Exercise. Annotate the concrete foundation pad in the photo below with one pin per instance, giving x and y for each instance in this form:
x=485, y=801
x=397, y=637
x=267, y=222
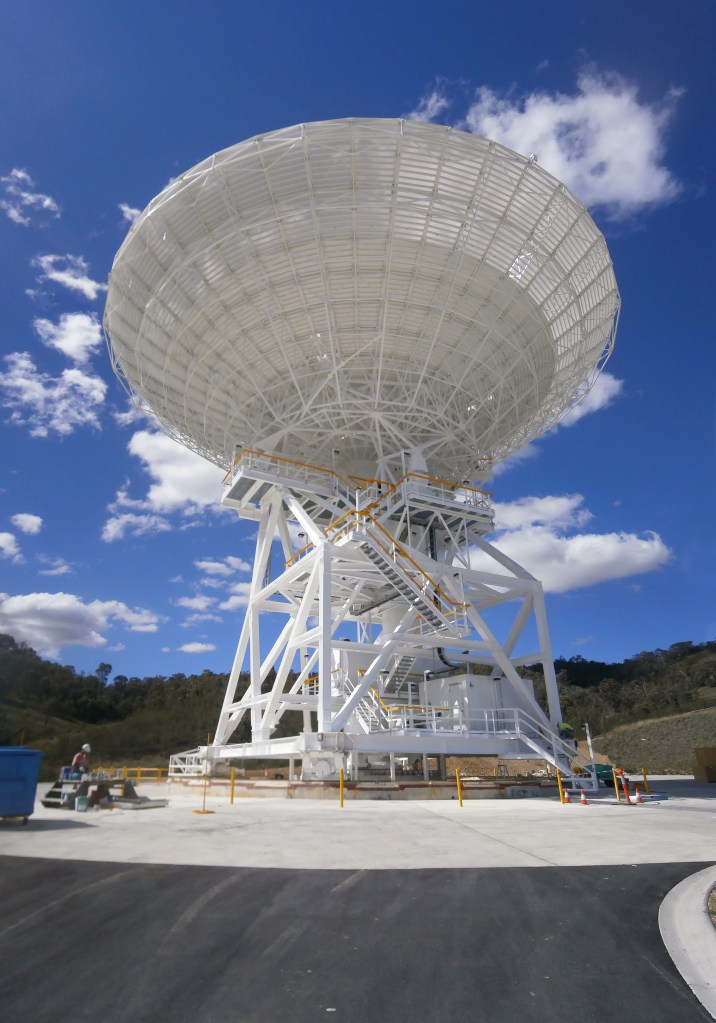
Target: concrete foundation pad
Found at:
x=377, y=834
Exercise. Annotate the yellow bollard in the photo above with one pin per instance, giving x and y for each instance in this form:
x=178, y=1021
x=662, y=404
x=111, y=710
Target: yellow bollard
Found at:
x=139, y=776
x=233, y=779
x=616, y=784
x=560, y=786
x=646, y=781
x=340, y=786
x=124, y=774
x=459, y=785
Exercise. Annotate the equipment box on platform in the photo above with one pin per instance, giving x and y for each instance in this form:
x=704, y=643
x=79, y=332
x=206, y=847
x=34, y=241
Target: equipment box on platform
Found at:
x=19, y=770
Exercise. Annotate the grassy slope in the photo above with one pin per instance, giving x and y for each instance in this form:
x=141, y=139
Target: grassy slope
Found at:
x=661, y=746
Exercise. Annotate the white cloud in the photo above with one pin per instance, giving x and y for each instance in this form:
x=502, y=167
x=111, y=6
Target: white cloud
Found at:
x=430, y=106
x=9, y=548
x=50, y=404
x=198, y=603
x=525, y=454
x=239, y=598
x=555, y=512
x=21, y=200
x=137, y=412
x=196, y=618
x=76, y=335
x=55, y=566
x=541, y=535
x=31, y=524
x=129, y=213
x=133, y=524
x=49, y=622
x=184, y=482
x=227, y=566
x=182, y=478
x=601, y=394
x=69, y=271
x=197, y=648
x=605, y=144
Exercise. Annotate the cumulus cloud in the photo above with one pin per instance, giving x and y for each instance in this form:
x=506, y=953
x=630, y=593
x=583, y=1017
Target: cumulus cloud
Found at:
x=76, y=335
x=602, y=141
x=129, y=213
x=49, y=622
x=71, y=272
x=31, y=524
x=197, y=648
x=9, y=548
x=198, y=603
x=196, y=618
x=21, y=202
x=50, y=404
x=123, y=524
x=541, y=534
x=239, y=598
x=556, y=512
x=227, y=566
x=605, y=389
x=182, y=479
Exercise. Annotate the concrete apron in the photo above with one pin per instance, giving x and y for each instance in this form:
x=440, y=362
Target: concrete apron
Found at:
x=503, y=788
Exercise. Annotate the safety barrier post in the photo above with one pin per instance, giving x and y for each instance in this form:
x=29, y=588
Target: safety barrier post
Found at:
x=616, y=784
x=124, y=774
x=139, y=776
x=340, y=786
x=624, y=785
x=646, y=781
x=233, y=779
x=459, y=785
x=560, y=786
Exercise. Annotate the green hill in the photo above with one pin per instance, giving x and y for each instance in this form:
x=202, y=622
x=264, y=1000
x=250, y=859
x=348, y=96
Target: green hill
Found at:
x=661, y=745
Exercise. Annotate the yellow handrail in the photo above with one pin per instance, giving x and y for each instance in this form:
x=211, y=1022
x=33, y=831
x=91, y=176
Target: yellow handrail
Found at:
x=404, y=553
x=289, y=461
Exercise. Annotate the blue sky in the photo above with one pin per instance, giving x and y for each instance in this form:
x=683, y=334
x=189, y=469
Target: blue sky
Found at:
x=112, y=545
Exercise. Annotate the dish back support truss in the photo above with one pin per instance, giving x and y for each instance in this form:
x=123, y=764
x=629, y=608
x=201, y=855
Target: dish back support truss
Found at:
x=371, y=610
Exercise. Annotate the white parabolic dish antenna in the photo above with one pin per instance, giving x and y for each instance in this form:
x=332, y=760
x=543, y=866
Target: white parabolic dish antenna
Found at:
x=362, y=286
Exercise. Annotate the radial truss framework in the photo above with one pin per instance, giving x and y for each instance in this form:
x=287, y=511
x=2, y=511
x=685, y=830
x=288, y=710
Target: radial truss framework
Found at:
x=363, y=285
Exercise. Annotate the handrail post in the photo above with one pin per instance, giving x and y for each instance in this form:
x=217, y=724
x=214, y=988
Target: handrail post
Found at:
x=340, y=786
x=560, y=786
x=233, y=780
x=459, y=784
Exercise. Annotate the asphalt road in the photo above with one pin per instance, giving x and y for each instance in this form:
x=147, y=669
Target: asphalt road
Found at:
x=111, y=942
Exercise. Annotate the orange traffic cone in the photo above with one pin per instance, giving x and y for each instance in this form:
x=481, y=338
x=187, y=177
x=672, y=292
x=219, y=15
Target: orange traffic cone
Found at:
x=638, y=796
x=583, y=799
x=566, y=796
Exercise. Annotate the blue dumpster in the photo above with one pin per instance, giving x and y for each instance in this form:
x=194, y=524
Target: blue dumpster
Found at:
x=19, y=769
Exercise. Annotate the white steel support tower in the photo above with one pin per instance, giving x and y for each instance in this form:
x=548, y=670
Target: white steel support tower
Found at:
x=379, y=625
x=370, y=312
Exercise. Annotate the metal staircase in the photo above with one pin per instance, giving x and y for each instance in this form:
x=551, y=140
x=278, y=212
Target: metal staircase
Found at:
x=401, y=669
x=402, y=582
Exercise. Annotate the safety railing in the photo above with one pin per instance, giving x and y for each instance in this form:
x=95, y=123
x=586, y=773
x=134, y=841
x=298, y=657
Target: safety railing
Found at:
x=402, y=716
x=433, y=594
x=190, y=764
x=288, y=468
x=138, y=774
